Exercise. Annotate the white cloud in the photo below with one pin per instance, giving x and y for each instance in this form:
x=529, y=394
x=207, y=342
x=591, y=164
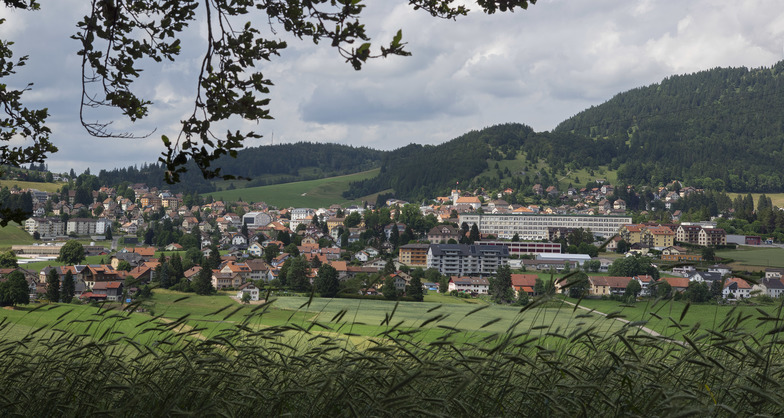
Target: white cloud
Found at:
x=537, y=66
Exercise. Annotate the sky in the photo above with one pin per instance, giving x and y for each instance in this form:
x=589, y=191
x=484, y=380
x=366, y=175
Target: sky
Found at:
x=537, y=67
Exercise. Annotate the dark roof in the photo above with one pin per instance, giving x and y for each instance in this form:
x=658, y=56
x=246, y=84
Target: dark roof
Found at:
x=469, y=250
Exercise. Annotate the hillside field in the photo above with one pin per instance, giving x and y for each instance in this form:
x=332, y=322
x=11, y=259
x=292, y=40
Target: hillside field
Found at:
x=13, y=234
x=311, y=193
x=44, y=187
x=776, y=198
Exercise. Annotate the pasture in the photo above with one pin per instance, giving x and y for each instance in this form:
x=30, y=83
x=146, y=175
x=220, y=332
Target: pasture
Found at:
x=754, y=258
x=311, y=193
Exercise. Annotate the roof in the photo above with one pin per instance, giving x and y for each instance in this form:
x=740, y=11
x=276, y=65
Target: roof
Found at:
x=611, y=281
x=519, y=280
x=677, y=282
x=469, y=281
x=737, y=283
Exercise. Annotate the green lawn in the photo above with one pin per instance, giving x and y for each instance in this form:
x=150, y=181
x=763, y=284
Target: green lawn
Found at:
x=13, y=234
x=312, y=193
x=749, y=257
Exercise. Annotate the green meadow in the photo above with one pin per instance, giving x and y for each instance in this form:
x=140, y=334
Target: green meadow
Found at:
x=44, y=187
x=13, y=234
x=311, y=193
x=754, y=258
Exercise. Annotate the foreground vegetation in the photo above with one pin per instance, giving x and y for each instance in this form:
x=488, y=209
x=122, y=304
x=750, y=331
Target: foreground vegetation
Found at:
x=255, y=360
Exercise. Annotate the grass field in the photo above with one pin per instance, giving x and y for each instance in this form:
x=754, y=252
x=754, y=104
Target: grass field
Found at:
x=210, y=355
x=44, y=187
x=312, y=193
x=662, y=316
x=13, y=234
x=754, y=258
x=38, y=265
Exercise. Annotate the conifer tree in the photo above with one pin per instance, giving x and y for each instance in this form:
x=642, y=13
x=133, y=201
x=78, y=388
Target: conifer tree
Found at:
x=52, y=285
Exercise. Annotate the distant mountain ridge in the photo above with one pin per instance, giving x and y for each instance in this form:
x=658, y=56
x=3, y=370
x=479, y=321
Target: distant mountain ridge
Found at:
x=720, y=129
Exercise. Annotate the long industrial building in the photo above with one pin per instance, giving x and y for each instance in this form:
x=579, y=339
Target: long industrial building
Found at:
x=534, y=226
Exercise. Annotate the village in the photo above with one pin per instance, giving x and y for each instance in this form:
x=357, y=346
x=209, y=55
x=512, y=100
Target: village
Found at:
x=461, y=240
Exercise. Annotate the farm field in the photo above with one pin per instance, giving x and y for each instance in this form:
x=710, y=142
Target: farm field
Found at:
x=312, y=193
x=754, y=258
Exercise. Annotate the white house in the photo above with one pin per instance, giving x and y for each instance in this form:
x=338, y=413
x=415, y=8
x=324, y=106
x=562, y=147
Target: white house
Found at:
x=248, y=288
x=469, y=285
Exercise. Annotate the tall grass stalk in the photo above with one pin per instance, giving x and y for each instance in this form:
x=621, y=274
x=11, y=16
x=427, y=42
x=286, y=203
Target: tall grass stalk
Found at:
x=117, y=362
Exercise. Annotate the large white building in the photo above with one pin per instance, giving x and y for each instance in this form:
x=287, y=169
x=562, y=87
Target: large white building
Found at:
x=534, y=227
x=466, y=260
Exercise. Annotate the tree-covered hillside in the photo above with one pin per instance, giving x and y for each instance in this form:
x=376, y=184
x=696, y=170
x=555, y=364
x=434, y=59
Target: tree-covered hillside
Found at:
x=263, y=165
x=722, y=128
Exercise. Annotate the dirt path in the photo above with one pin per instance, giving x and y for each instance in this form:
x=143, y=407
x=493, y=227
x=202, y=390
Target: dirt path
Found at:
x=626, y=321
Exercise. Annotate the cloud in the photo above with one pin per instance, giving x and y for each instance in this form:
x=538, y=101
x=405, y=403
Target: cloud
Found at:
x=537, y=66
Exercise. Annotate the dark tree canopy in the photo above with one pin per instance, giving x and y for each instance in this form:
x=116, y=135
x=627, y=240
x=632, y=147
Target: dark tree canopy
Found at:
x=71, y=253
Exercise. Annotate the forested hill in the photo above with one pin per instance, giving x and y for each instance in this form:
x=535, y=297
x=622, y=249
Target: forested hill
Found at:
x=722, y=129
x=416, y=171
x=268, y=164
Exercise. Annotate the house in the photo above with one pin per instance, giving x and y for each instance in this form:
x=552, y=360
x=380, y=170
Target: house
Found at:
x=441, y=234
x=608, y=285
x=472, y=285
x=256, y=249
x=646, y=282
x=705, y=277
x=722, y=269
x=173, y=247
x=773, y=287
x=401, y=281
x=362, y=256
x=111, y=290
x=678, y=284
x=524, y=282
x=675, y=253
x=250, y=289
x=735, y=288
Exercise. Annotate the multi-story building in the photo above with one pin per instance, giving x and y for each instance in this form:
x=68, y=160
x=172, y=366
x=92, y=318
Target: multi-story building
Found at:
x=467, y=260
x=532, y=227
x=46, y=227
x=712, y=236
x=414, y=255
x=688, y=233
x=658, y=236
x=520, y=248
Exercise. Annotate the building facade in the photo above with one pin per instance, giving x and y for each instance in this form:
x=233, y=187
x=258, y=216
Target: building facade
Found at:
x=467, y=260
x=531, y=227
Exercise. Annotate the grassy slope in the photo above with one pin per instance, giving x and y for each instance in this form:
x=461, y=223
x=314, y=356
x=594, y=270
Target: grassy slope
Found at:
x=44, y=187
x=13, y=234
x=312, y=193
